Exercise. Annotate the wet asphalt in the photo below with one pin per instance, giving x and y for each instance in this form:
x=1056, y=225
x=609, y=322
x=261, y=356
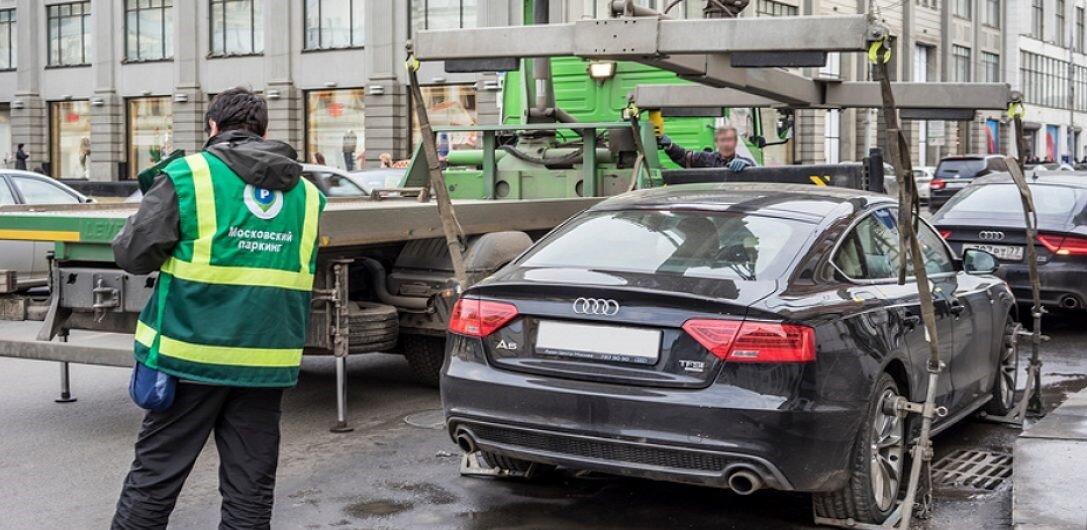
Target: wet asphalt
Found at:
x=61, y=466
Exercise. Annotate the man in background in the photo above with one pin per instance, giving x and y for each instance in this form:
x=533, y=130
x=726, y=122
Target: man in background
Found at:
x=725, y=138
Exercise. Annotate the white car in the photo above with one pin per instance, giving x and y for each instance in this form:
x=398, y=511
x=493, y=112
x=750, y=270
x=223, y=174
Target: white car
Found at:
x=923, y=177
x=28, y=258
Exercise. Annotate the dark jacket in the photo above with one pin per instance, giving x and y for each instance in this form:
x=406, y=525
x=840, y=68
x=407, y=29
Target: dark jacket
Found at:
x=149, y=236
x=20, y=159
x=693, y=159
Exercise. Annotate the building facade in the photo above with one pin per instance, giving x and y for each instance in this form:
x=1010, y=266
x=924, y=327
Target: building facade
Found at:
x=102, y=88
x=1050, y=68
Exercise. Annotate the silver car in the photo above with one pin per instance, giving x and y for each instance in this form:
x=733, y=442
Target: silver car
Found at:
x=27, y=258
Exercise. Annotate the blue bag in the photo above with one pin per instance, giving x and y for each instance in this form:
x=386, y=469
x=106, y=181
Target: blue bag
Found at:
x=151, y=389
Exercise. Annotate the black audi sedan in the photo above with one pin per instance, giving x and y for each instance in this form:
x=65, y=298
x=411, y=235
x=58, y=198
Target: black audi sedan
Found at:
x=988, y=215
x=742, y=336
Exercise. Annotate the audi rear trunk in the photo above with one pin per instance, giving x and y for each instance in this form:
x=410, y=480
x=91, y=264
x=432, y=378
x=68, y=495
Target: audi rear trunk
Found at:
x=654, y=376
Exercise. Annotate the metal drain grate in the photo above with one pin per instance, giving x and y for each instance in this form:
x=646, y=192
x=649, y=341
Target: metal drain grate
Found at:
x=978, y=470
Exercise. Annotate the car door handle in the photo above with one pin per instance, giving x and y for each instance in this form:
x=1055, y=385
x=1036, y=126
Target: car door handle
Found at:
x=957, y=308
x=911, y=321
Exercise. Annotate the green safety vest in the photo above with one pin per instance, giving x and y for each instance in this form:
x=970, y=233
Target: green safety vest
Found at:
x=232, y=303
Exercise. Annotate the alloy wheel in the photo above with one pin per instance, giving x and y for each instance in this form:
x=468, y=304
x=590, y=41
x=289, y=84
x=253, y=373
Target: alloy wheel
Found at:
x=1009, y=365
x=888, y=448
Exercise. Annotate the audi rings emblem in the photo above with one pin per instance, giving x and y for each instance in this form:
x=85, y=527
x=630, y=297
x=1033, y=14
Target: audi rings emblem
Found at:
x=596, y=306
x=991, y=235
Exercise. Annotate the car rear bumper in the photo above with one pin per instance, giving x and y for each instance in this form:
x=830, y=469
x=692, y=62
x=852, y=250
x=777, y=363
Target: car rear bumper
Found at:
x=680, y=435
x=1061, y=286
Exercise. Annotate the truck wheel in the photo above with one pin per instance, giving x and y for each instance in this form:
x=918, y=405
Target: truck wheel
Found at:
x=876, y=465
x=1007, y=372
x=425, y=355
x=372, y=327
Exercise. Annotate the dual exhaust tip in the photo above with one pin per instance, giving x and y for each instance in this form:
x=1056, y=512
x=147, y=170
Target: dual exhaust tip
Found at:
x=742, y=480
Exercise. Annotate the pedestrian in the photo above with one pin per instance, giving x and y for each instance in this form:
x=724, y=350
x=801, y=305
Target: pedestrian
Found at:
x=21, y=157
x=725, y=138
x=385, y=160
x=319, y=158
x=350, y=142
x=232, y=231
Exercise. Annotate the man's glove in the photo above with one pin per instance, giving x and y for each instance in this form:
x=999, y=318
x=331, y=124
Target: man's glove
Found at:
x=737, y=165
x=664, y=141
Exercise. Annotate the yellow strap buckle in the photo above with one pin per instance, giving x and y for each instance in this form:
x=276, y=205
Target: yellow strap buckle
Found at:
x=874, y=55
x=1015, y=110
x=412, y=64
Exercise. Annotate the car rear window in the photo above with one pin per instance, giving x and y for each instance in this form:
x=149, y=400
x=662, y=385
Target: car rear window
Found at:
x=695, y=244
x=996, y=199
x=960, y=168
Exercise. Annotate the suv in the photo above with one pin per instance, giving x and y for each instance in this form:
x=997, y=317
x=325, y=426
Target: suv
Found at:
x=955, y=172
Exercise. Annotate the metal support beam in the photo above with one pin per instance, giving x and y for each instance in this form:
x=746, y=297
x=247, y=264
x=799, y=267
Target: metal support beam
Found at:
x=645, y=37
x=966, y=96
x=688, y=96
x=838, y=95
x=66, y=352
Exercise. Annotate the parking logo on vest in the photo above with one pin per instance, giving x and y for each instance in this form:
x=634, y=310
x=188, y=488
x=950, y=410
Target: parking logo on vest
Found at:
x=265, y=204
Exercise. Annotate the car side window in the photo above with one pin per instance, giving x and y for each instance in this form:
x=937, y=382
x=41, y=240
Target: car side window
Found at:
x=6, y=197
x=39, y=191
x=870, y=250
x=936, y=257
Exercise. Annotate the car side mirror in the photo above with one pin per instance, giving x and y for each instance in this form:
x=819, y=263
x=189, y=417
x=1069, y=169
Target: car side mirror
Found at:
x=976, y=261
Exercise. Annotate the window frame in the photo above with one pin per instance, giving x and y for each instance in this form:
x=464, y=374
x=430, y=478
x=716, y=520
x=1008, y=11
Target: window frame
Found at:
x=12, y=23
x=84, y=17
x=963, y=9
x=1037, y=19
x=212, y=54
x=773, y=8
x=426, y=16
x=1061, y=18
x=967, y=58
x=991, y=14
x=351, y=27
x=167, y=47
x=891, y=208
x=987, y=61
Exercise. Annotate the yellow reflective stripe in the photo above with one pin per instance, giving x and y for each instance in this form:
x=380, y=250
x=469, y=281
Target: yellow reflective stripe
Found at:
x=309, y=225
x=145, y=334
x=205, y=207
x=223, y=355
x=250, y=276
x=204, y=354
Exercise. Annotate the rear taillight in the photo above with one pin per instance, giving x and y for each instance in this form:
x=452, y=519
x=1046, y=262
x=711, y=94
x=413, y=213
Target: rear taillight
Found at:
x=945, y=234
x=1064, y=246
x=480, y=318
x=937, y=184
x=754, y=342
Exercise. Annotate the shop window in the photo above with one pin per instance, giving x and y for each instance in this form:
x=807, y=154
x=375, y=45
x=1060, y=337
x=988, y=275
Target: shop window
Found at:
x=237, y=27
x=443, y=14
x=450, y=105
x=332, y=24
x=335, y=128
x=8, y=41
x=149, y=30
x=70, y=33
x=70, y=138
x=150, y=132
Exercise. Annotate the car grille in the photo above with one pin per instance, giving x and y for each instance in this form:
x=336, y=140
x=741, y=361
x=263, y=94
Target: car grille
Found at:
x=601, y=450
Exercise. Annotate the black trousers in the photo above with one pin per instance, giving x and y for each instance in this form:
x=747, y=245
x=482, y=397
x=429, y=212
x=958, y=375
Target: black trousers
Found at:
x=246, y=426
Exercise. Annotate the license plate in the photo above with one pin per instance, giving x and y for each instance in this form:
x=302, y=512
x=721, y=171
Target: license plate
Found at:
x=954, y=185
x=598, y=343
x=1003, y=252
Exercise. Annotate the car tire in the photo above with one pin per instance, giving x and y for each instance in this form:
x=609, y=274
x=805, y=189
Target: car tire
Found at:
x=1007, y=372
x=425, y=355
x=372, y=327
x=877, y=464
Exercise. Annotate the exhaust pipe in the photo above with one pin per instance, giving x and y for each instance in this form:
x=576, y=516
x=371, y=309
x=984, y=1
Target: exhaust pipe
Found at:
x=1069, y=302
x=744, y=481
x=465, y=442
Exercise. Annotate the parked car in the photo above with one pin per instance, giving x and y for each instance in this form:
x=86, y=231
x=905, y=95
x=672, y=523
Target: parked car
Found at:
x=988, y=215
x=743, y=336
x=923, y=176
x=955, y=172
x=28, y=258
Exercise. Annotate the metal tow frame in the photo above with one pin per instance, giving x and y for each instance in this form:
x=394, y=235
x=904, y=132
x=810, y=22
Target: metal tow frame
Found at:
x=335, y=297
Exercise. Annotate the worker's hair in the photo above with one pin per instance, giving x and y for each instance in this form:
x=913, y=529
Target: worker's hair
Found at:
x=238, y=109
x=726, y=129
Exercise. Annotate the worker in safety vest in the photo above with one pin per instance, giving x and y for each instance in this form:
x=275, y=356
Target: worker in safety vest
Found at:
x=232, y=231
x=725, y=139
